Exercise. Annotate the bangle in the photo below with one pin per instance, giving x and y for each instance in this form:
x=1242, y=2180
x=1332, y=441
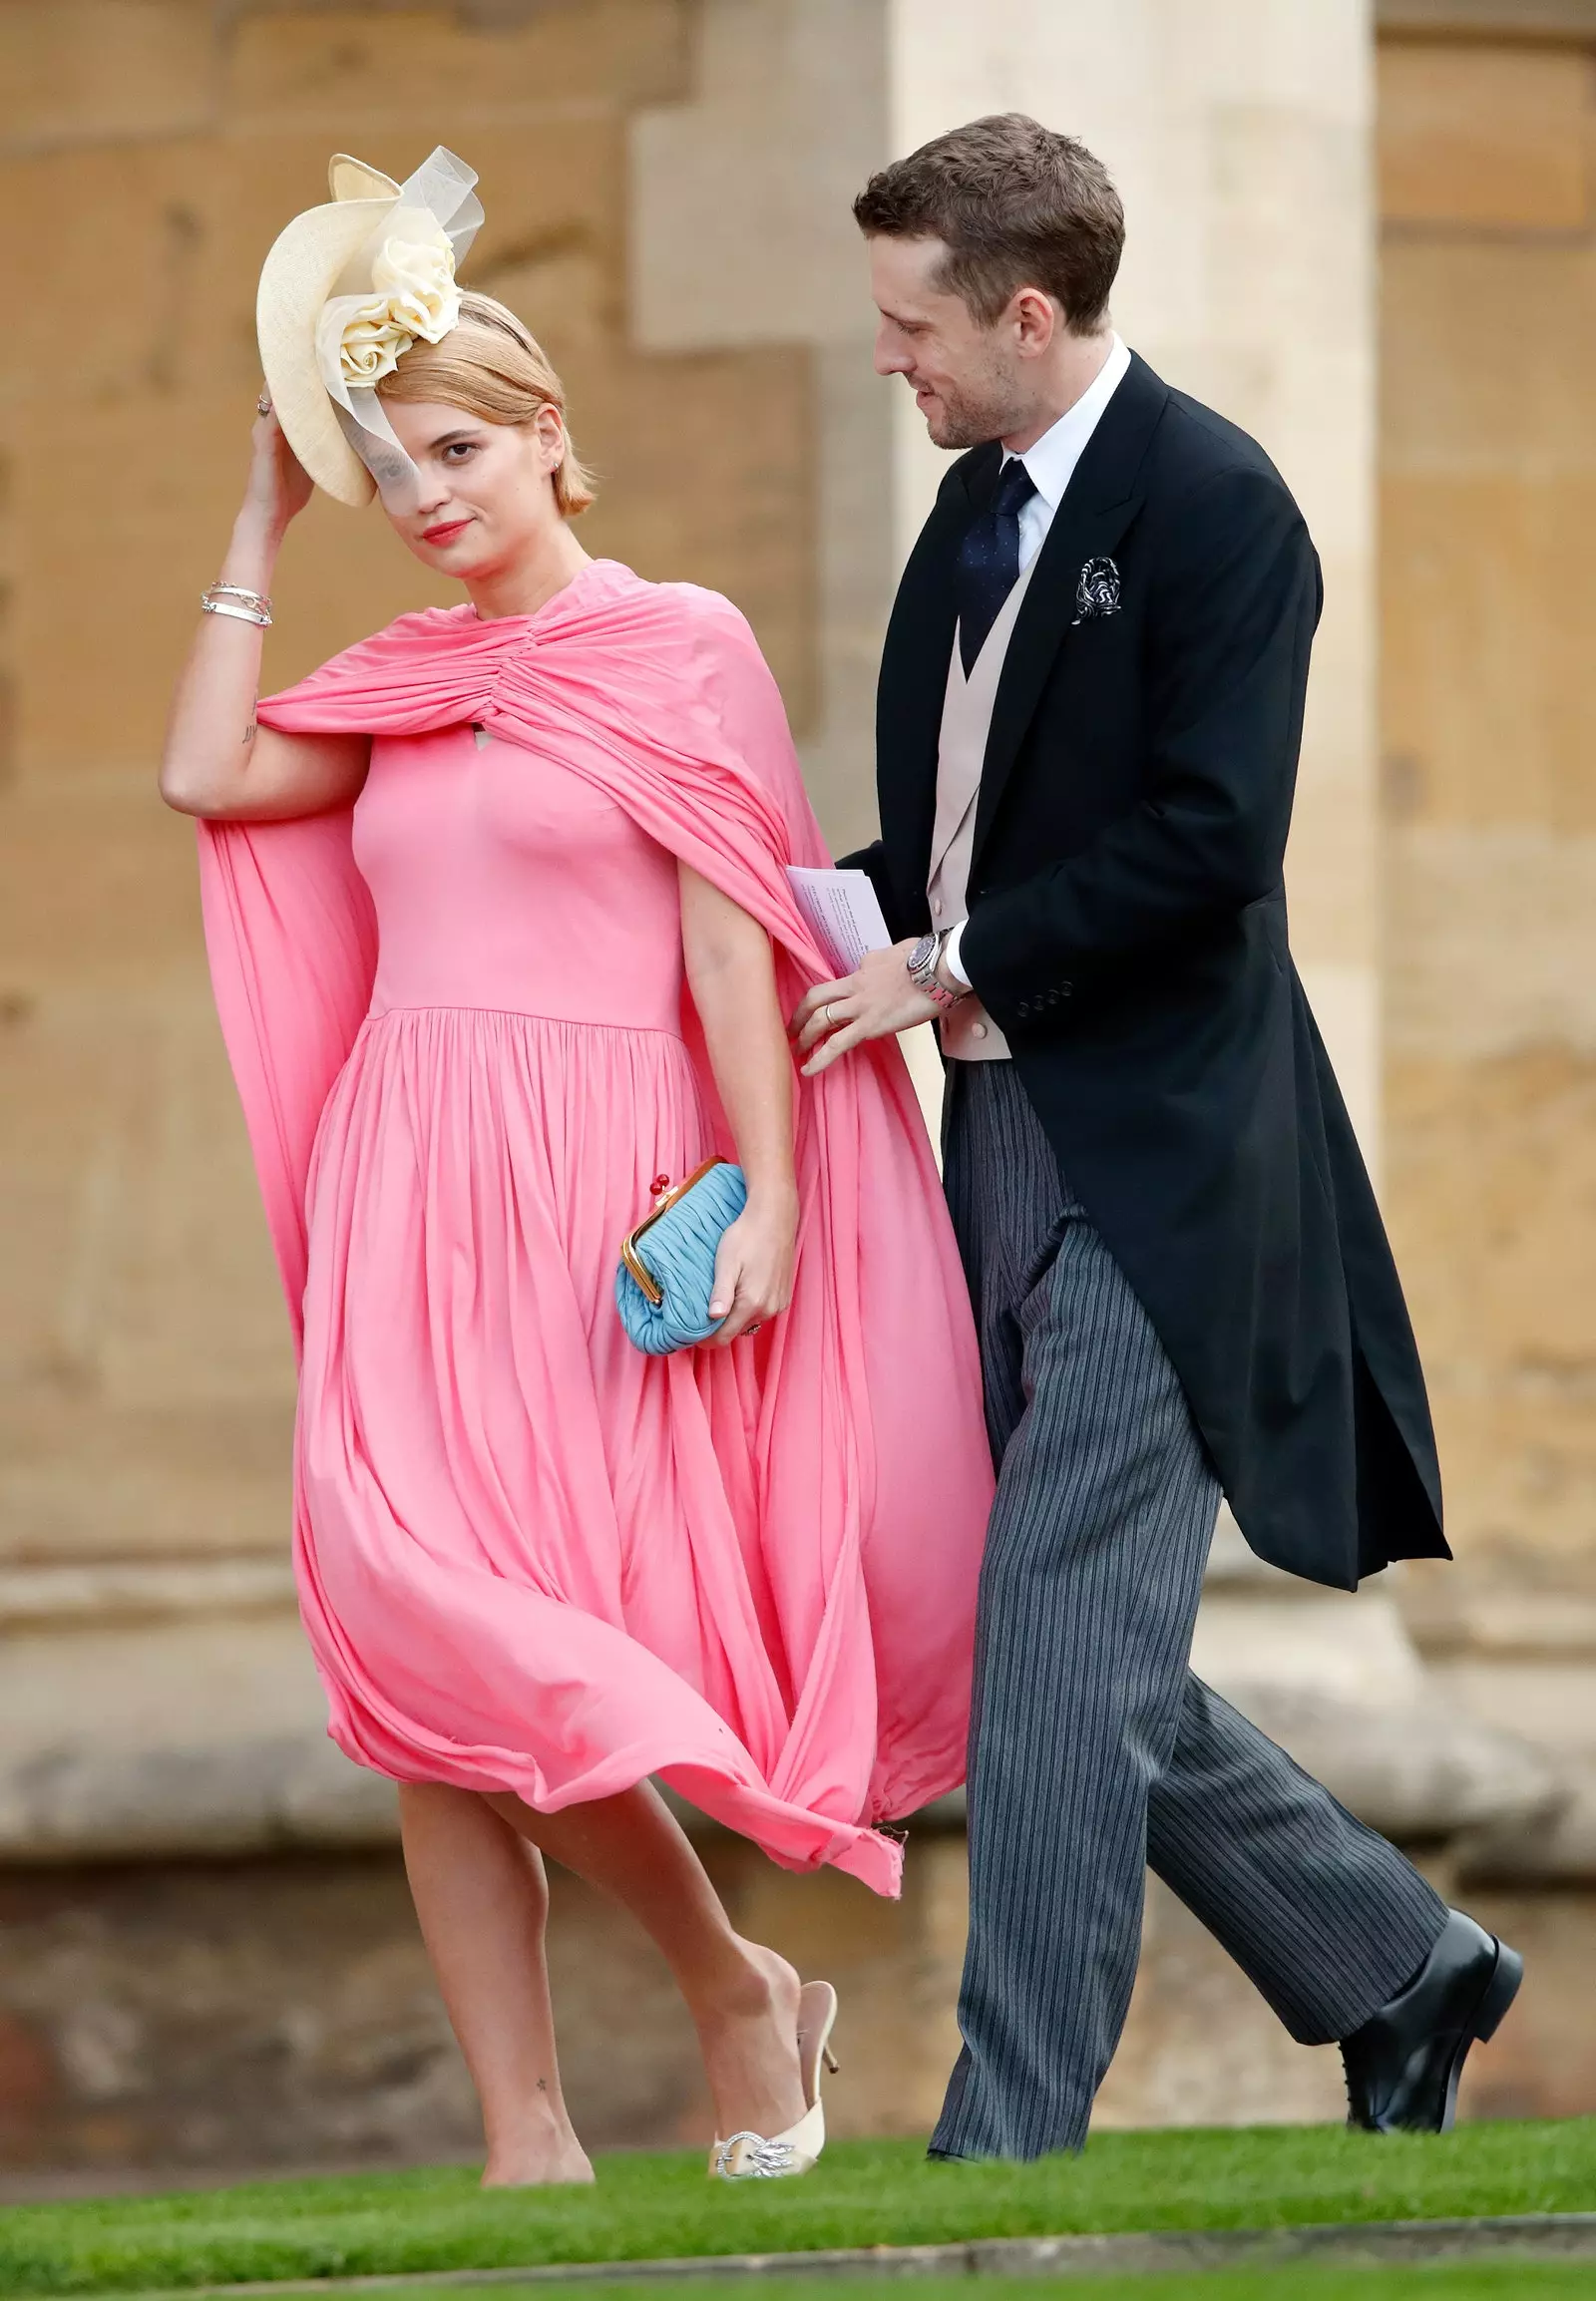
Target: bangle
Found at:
x=238, y=600
x=238, y=615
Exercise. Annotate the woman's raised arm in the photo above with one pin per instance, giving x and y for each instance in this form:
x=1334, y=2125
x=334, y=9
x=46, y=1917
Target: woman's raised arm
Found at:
x=216, y=761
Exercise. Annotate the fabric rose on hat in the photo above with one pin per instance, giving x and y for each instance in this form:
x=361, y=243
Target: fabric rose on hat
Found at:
x=371, y=342
x=418, y=279
x=413, y=294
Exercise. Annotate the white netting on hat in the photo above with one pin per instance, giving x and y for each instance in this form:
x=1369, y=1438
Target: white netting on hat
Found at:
x=397, y=287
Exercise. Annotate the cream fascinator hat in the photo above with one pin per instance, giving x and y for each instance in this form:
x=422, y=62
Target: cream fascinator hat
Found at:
x=347, y=290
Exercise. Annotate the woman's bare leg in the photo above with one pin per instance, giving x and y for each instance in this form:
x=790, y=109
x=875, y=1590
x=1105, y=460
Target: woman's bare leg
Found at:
x=743, y=1998
x=482, y=1900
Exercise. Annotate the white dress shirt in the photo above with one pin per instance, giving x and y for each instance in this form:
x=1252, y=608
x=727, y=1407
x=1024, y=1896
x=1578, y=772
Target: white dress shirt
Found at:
x=1051, y=465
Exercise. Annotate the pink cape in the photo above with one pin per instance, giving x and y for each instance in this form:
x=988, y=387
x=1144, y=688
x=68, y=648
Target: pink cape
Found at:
x=875, y=1475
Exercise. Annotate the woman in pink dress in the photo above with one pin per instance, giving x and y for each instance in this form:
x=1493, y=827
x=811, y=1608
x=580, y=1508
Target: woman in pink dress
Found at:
x=501, y=934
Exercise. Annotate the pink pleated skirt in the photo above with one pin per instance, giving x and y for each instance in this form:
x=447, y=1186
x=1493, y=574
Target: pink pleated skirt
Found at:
x=530, y=1556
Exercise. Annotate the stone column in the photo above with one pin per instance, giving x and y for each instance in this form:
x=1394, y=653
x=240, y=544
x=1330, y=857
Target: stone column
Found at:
x=742, y=236
x=1240, y=135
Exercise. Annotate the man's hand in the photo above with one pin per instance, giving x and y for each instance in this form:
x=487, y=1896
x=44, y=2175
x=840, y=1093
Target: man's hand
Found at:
x=877, y=1001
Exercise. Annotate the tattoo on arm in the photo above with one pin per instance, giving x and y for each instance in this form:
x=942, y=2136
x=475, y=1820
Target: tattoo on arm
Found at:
x=249, y=733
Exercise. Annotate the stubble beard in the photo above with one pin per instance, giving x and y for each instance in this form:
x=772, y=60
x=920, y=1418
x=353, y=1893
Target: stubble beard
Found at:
x=971, y=415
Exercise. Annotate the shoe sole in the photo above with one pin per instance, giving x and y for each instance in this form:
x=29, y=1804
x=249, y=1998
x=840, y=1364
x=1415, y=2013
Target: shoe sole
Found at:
x=1498, y=1994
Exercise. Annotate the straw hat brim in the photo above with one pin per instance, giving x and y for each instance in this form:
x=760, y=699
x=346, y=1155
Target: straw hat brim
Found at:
x=298, y=275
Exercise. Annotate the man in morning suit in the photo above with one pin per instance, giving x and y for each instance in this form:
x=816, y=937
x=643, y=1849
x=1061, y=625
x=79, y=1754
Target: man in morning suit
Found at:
x=1090, y=705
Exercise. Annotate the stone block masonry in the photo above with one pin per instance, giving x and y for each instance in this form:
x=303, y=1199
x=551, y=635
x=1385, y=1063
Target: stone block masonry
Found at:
x=145, y=1388
x=668, y=186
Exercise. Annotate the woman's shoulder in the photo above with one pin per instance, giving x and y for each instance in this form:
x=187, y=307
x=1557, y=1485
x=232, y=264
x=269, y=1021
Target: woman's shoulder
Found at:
x=725, y=668
x=704, y=609
x=690, y=659
x=721, y=633
x=718, y=642
x=418, y=629
x=689, y=609
x=429, y=627
x=678, y=639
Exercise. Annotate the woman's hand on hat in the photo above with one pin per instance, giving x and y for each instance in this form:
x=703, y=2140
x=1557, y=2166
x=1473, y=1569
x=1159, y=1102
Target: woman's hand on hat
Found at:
x=279, y=486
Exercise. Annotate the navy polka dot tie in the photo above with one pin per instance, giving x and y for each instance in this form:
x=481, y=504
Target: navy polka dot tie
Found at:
x=989, y=561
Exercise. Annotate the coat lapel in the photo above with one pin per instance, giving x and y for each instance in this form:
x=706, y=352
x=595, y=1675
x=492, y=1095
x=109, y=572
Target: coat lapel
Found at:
x=1100, y=502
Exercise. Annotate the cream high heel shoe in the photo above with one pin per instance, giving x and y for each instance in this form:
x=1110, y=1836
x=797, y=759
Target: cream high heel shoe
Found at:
x=749, y=2156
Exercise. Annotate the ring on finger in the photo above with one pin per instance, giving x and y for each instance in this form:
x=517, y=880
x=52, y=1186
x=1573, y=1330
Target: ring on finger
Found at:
x=830, y=1011
x=263, y=406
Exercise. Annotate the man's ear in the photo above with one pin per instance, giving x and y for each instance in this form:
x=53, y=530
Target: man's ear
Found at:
x=1035, y=320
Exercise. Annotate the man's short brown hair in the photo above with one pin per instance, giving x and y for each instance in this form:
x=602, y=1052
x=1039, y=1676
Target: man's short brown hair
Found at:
x=1017, y=206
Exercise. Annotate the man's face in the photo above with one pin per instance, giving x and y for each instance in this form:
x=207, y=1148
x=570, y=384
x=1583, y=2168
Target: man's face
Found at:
x=966, y=378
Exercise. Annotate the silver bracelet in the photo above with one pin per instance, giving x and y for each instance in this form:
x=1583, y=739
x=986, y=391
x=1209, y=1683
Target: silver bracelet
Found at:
x=213, y=595
x=256, y=599
x=239, y=614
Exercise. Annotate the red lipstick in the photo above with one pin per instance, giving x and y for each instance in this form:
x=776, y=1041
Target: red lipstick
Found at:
x=445, y=534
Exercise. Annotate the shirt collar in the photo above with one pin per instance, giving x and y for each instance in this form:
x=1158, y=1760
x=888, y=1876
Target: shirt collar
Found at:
x=1052, y=462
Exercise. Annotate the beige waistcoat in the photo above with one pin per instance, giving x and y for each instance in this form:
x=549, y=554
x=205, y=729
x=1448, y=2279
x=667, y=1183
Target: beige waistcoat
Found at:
x=969, y=1033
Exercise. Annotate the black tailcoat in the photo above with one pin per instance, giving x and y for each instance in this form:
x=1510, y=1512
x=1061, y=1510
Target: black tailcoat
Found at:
x=1127, y=931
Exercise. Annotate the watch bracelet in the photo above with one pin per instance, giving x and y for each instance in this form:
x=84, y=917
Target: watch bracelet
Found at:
x=924, y=974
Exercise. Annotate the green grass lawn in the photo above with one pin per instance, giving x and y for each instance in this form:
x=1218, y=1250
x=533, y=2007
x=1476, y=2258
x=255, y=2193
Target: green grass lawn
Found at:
x=1510, y=2281
x=863, y=2193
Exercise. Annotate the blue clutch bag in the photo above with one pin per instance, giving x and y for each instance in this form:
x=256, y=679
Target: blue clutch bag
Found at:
x=667, y=1264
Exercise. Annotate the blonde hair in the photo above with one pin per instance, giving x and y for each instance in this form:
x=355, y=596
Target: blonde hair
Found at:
x=496, y=370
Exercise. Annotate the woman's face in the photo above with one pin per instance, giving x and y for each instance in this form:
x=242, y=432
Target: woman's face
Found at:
x=486, y=497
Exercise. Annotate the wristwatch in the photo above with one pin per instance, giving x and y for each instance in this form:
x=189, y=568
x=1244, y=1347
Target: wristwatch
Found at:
x=922, y=964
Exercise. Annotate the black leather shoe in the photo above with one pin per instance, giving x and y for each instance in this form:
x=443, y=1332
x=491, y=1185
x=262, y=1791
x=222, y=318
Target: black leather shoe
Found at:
x=1403, y=2064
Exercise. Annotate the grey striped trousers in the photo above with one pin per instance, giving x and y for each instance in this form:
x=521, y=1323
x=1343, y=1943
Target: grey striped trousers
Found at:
x=1094, y=1751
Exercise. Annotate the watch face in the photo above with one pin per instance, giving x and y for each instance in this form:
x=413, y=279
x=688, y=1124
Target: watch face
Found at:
x=924, y=952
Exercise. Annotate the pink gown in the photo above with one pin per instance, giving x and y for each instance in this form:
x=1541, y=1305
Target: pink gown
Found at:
x=529, y=1556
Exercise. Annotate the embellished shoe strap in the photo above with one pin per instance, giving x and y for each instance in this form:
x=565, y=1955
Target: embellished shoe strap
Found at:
x=750, y=2157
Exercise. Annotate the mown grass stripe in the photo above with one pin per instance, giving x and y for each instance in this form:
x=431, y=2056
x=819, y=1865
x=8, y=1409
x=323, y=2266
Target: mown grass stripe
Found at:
x=435, y=2223
x=1511, y=2237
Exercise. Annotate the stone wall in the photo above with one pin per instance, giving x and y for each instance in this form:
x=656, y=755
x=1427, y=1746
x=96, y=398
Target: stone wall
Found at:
x=197, y=2018
x=667, y=189
x=1488, y=593
x=742, y=241
x=154, y=1692
x=1488, y=470
x=667, y=184
x=1240, y=136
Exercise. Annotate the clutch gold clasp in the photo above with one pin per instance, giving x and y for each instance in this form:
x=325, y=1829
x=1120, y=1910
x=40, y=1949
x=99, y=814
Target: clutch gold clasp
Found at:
x=666, y=1195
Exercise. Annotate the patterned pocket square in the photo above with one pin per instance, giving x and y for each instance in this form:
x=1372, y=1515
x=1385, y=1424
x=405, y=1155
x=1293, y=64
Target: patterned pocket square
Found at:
x=1097, y=592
